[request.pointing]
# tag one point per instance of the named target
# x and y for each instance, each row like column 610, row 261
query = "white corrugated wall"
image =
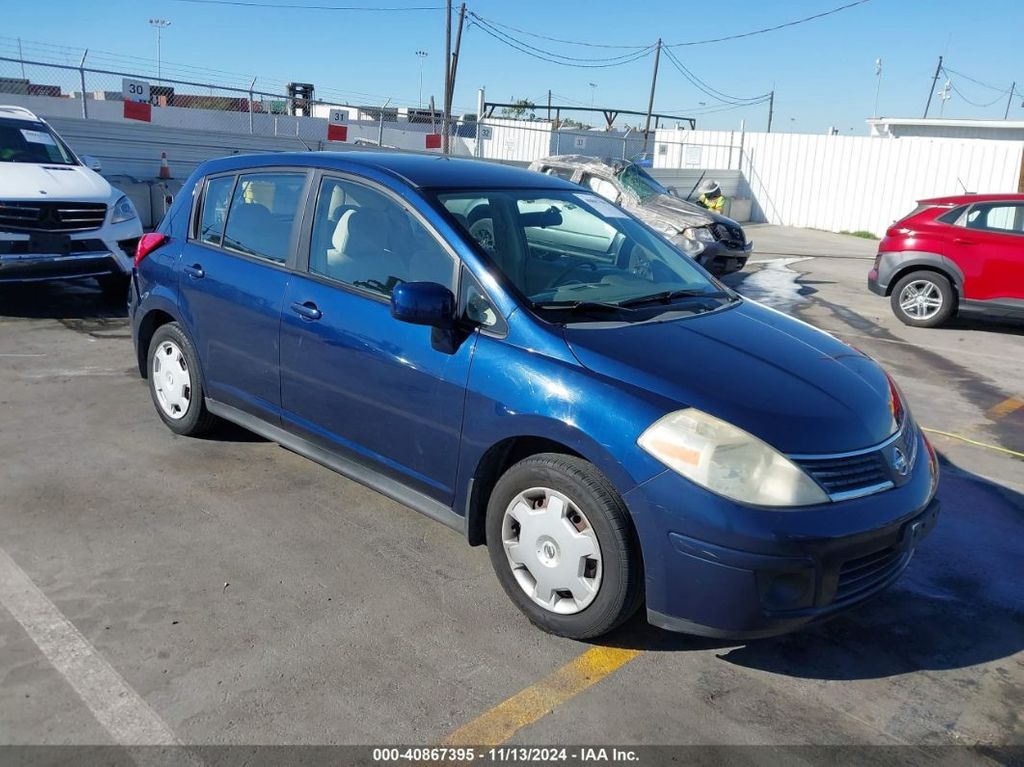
column 850, row 182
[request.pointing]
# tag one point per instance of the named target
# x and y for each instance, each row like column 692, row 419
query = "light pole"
column 159, row 24
column 878, row 84
column 421, row 55
column 593, row 90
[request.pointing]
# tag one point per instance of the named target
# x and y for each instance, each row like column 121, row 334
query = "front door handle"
column 961, row 241
column 307, row 310
column 195, row 271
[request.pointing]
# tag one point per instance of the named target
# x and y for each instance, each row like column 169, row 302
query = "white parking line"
column 122, row 712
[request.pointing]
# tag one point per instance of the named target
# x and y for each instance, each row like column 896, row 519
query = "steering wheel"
column 560, row 279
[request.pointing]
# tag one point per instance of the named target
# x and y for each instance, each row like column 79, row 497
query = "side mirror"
column 423, row 303
column 92, row 163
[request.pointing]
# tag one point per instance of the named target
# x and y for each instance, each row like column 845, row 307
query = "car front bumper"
column 43, row 257
column 717, row 568
column 719, row 259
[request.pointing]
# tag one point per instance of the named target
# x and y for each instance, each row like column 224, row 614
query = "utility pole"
column 650, row 102
column 549, row 103
column 160, row 24
column 771, row 109
column 931, row 91
column 22, row 57
column 455, row 60
column 447, row 73
column 1010, row 100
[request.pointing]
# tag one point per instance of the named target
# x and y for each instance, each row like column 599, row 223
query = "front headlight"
column 689, row 246
column 123, row 210
column 699, row 233
column 728, row 461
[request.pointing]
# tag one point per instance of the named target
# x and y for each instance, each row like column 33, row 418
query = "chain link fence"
column 70, row 90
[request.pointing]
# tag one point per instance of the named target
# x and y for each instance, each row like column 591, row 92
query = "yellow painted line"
column 1005, row 407
column 969, row 441
column 497, row 725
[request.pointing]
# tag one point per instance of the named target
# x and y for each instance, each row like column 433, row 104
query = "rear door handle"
column 195, row 271
column 308, row 310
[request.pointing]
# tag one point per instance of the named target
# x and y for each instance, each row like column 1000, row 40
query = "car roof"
column 597, row 164
column 418, row 170
column 966, row 199
column 17, row 113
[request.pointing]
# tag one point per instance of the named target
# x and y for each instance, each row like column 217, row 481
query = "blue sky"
column 823, row 71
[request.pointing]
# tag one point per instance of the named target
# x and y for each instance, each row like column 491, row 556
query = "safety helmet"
column 710, row 188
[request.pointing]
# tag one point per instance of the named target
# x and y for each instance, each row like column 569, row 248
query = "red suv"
column 954, row 254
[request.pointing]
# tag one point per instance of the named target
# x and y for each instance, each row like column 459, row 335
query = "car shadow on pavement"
column 71, row 300
column 1009, row 325
column 959, row 603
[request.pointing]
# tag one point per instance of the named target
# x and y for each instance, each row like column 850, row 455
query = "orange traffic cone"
column 165, row 169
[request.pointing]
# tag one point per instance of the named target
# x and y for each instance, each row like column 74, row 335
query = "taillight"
column 148, row 244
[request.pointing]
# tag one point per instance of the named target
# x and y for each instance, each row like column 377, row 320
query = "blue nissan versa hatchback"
column 558, row 382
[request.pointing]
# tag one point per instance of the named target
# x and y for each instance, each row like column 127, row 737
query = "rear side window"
column 262, row 212
column 952, row 216
column 215, row 209
column 563, row 173
column 997, row 217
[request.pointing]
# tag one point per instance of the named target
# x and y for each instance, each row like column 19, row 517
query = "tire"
column 923, row 299
column 114, row 287
column 607, row 583
column 175, row 382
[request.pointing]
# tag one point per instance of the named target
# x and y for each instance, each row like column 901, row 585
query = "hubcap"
column 552, row 550
column 921, row 299
column 171, row 380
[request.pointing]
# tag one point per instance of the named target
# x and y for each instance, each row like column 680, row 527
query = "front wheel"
column 563, row 547
column 923, row 299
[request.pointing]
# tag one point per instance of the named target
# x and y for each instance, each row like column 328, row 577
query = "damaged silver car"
column 717, row 243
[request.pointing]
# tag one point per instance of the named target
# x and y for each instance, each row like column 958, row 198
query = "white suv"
column 59, row 219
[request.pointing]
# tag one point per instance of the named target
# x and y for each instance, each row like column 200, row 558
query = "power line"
column 624, row 58
column 995, row 101
column 707, row 90
column 763, row 30
column 777, row 27
column 554, row 39
column 973, row 80
column 510, row 42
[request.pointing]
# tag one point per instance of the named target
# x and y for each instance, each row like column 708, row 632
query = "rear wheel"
column 563, row 547
column 175, row 384
column 923, row 299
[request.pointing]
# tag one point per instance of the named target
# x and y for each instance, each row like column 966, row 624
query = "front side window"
column 32, row 142
column 574, row 250
column 997, row 217
column 262, row 212
column 364, row 238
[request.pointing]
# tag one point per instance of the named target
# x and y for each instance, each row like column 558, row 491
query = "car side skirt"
column 343, row 464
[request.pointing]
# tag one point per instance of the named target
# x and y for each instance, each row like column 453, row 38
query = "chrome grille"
column 51, row 216
column 865, row 573
column 849, row 474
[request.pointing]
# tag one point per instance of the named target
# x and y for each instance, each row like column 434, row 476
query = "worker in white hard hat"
column 711, row 196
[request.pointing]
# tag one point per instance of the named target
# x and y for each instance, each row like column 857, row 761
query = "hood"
column 667, row 211
column 31, row 181
column 793, row 386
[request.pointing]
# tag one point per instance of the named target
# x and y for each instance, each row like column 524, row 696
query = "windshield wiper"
column 582, row 306
column 668, row 296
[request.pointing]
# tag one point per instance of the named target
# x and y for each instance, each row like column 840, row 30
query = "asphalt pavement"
column 227, row 591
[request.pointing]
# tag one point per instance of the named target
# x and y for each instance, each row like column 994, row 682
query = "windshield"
column 34, row 142
column 566, row 250
column 634, row 179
